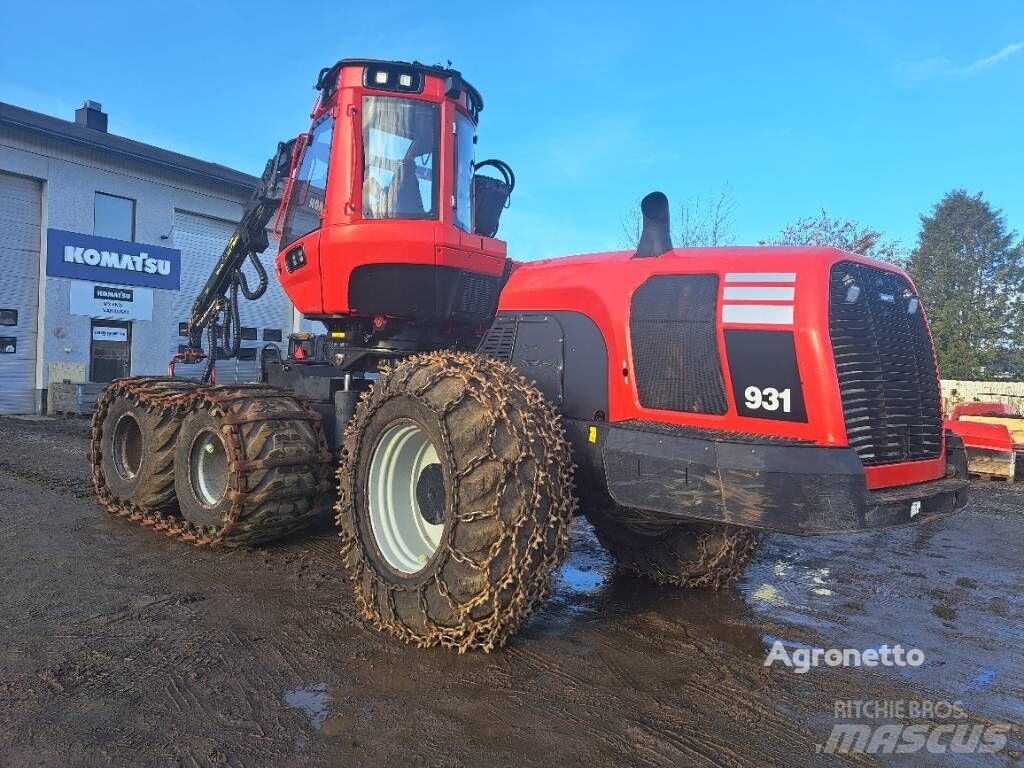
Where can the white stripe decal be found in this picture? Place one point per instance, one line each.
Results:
(760, 277)
(760, 314)
(778, 293)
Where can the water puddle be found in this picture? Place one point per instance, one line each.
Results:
(314, 700)
(781, 578)
(982, 681)
(582, 579)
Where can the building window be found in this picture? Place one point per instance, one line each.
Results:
(114, 217)
(271, 334)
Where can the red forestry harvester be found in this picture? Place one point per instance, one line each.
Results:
(689, 398)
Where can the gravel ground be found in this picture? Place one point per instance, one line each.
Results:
(121, 647)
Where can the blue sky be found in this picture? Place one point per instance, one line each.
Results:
(870, 110)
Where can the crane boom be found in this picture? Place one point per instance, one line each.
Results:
(215, 309)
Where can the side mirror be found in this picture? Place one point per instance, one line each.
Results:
(491, 196)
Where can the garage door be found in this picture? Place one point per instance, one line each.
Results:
(19, 298)
(201, 240)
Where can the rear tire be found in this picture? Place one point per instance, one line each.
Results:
(692, 555)
(250, 466)
(455, 495)
(203, 495)
(137, 453)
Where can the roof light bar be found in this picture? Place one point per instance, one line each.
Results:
(393, 77)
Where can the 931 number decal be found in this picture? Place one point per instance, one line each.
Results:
(768, 399)
(766, 381)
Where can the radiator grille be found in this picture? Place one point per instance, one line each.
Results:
(675, 344)
(888, 378)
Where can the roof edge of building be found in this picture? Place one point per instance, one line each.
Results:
(73, 133)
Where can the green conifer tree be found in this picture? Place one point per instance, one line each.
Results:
(970, 275)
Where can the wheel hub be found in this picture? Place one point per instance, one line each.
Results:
(208, 468)
(430, 494)
(406, 497)
(127, 445)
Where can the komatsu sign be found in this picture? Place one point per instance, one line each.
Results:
(137, 263)
(103, 259)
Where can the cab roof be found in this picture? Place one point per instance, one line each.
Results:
(328, 78)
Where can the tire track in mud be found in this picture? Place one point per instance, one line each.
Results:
(79, 489)
(87, 678)
(664, 721)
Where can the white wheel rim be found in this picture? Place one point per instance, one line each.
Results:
(127, 446)
(208, 468)
(403, 532)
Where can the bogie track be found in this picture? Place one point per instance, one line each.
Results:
(278, 466)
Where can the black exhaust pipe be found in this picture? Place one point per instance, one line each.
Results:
(655, 238)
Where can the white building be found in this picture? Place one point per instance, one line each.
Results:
(104, 244)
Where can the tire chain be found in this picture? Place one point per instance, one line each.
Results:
(181, 397)
(555, 477)
(723, 552)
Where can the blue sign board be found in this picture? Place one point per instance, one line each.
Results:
(105, 260)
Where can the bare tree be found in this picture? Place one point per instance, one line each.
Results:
(845, 234)
(632, 225)
(701, 221)
(707, 221)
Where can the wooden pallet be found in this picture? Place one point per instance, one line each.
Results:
(990, 477)
(68, 398)
(993, 465)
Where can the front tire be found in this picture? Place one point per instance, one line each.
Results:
(691, 555)
(455, 496)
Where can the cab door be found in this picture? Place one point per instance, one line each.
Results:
(298, 263)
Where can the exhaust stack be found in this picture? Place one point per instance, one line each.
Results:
(655, 238)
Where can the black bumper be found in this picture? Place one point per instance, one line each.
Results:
(783, 486)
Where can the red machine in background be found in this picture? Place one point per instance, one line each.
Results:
(689, 398)
(993, 436)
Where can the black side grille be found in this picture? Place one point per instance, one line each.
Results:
(888, 378)
(675, 346)
(500, 339)
(479, 295)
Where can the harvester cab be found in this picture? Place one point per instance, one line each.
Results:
(688, 398)
(385, 217)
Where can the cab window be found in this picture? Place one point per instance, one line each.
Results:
(400, 140)
(309, 190)
(465, 132)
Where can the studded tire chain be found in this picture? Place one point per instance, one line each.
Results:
(279, 472)
(510, 498)
(695, 557)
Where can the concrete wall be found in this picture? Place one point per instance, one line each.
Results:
(71, 177)
(1011, 392)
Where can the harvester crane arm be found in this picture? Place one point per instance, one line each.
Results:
(215, 309)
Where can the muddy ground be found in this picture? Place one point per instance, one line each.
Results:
(121, 647)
